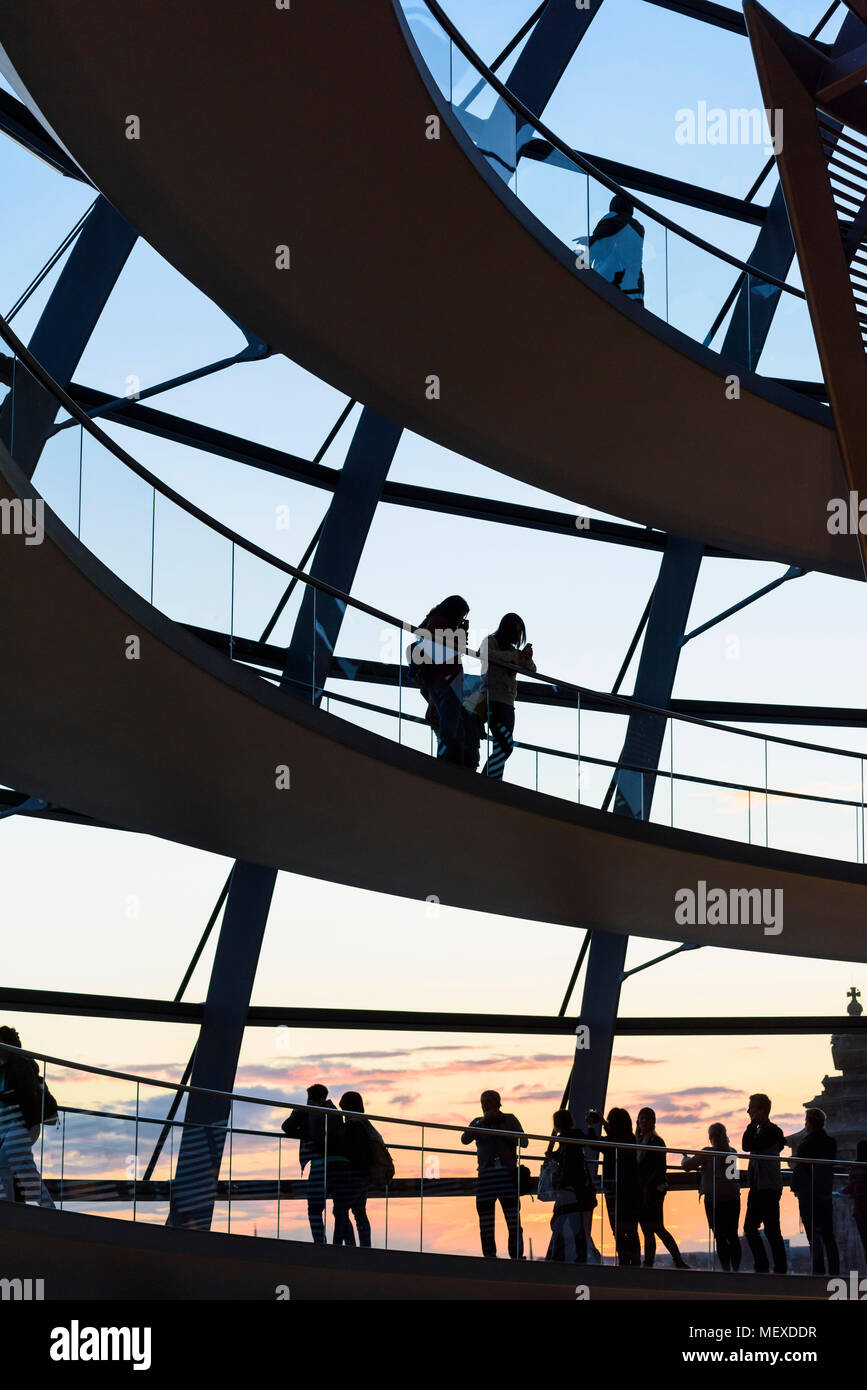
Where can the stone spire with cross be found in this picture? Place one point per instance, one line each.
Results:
(844, 1100)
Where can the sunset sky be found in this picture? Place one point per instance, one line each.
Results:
(114, 913)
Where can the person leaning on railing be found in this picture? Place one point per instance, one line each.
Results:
(23, 1099)
(720, 1185)
(435, 666)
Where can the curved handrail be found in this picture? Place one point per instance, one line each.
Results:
(616, 703)
(585, 164)
(587, 1141)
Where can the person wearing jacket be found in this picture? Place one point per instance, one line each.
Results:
(320, 1137)
(574, 1195)
(856, 1188)
(616, 248)
(720, 1186)
(620, 1182)
(504, 653)
(813, 1185)
(21, 1106)
(652, 1180)
(435, 659)
(761, 1138)
(359, 1135)
(498, 1178)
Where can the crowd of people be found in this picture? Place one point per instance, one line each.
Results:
(344, 1156)
(628, 1167)
(461, 708)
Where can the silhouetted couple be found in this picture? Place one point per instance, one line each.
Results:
(346, 1156)
(634, 1184)
(459, 708)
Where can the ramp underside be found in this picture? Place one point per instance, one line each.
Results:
(267, 136)
(178, 742)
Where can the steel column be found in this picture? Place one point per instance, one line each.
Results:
(64, 329)
(669, 612)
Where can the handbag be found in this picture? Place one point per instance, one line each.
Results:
(549, 1180)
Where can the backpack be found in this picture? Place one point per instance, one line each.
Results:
(49, 1104)
(381, 1162)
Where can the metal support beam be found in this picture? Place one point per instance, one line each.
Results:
(306, 667)
(549, 51)
(666, 624)
(219, 1044)
(793, 572)
(319, 1017)
(338, 553)
(64, 328)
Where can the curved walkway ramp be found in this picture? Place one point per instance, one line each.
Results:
(266, 138)
(166, 736)
(90, 1257)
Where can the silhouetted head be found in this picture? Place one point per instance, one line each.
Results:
(718, 1136)
(619, 1125)
(9, 1035)
(759, 1108)
(453, 610)
(511, 632)
(490, 1100)
(814, 1119)
(562, 1121)
(351, 1100)
(317, 1094)
(861, 1151)
(646, 1121)
(622, 205)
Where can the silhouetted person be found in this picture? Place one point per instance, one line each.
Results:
(720, 1186)
(616, 248)
(856, 1188)
(620, 1183)
(436, 667)
(651, 1176)
(813, 1185)
(574, 1194)
(321, 1145)
(361, 1142)
(504, 653)
(498, 1178)
(21, 1111)
(766, 1185)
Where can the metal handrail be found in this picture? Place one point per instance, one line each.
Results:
(585, 164)
(618, 765)
(587, 1142)
(617, 703)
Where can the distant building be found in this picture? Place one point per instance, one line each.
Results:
(844, 1100)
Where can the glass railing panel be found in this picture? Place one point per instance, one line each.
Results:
(116, 513)
(829, 824)
(434, 45)
(193, 570)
